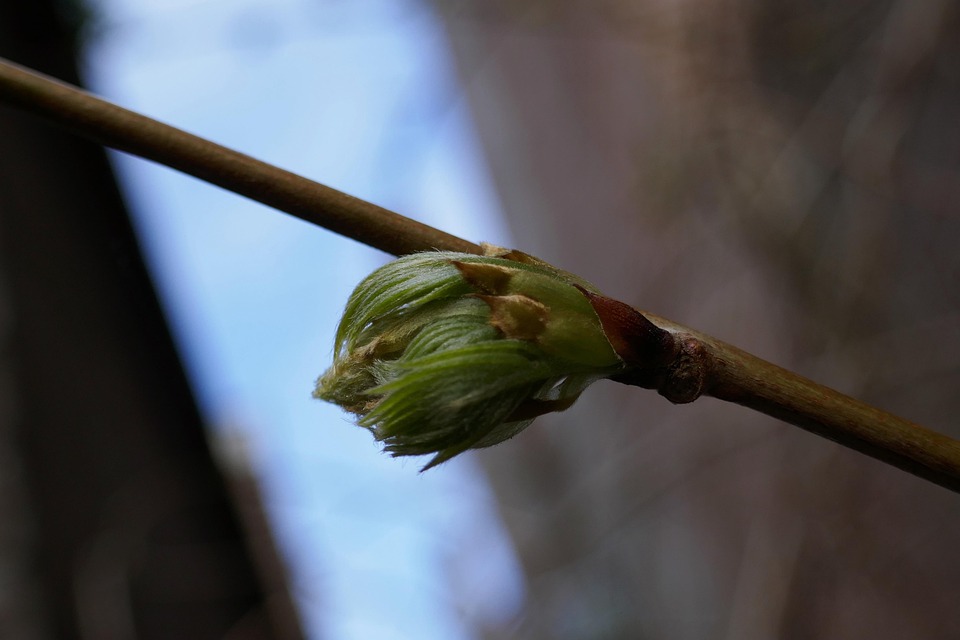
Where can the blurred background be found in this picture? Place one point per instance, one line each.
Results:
(783, 176)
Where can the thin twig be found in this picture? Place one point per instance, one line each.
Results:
(729, 373)
(115, 127)
(700, 365)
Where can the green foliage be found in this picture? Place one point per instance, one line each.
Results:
(441, 352)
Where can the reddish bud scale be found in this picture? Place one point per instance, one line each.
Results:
(637, 341)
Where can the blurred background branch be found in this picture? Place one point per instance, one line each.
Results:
(115, 520)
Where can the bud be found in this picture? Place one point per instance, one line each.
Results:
(441, 352)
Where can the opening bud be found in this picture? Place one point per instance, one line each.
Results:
(441, 352)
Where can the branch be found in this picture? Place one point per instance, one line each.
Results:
(115, 127)
(707, 366)
(696, 364)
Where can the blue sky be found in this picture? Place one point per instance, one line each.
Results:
(360, 96)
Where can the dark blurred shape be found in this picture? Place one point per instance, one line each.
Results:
(783, 176)
(114, 520)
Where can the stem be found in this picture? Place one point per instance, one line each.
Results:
(696, 364)
(715, 368)
(113, 126)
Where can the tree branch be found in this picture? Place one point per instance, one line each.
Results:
(707, 366)
(696, 364)
(115, 127)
